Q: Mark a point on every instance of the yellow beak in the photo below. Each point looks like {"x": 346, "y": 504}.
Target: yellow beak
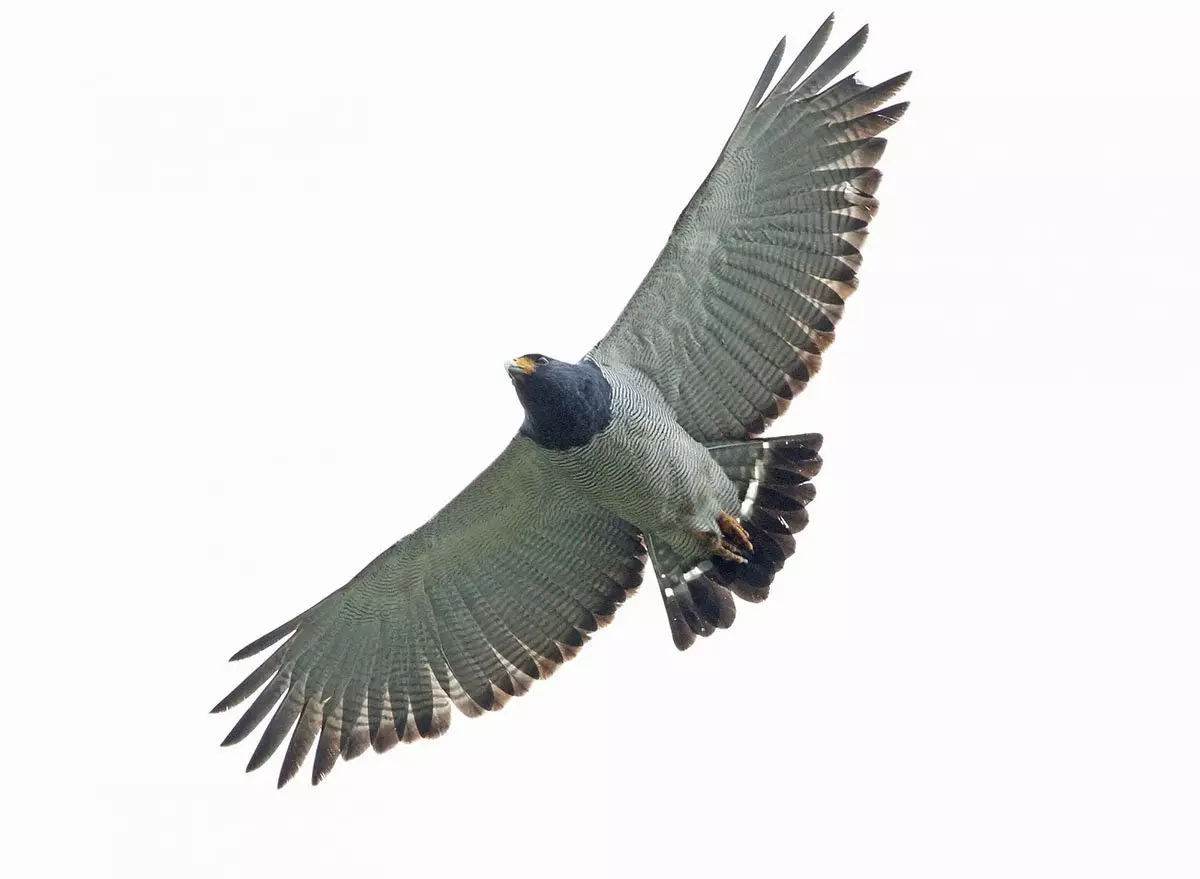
{"x": 520, "y": 366}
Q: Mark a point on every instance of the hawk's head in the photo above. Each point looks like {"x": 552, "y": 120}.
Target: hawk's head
{"x": 566, "y": 404}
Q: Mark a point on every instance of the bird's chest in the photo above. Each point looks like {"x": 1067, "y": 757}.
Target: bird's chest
{"x": 648, "y": 471}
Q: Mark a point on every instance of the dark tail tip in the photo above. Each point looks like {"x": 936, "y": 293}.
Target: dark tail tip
{"x": 777, "y": 499}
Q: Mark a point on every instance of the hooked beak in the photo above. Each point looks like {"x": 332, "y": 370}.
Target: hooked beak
{"x": 519, "y": 366}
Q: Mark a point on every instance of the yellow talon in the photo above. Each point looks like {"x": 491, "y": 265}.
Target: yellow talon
{"x": 730, "y": 541}
{"x": 733, "y": 531}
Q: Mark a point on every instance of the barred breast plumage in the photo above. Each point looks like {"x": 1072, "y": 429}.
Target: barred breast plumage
{"x": 644, "y": 468}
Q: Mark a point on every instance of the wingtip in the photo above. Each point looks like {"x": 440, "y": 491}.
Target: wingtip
{"x": 256, "y": 646}
{"x": 225, "y": 704}
{"x": 260, "y": 757}
{"x": 250, "y": 649}
{"x": 275, "y": 635}
{"x": 859, "y": 38}
{"x": 777, "y": 53}
{"x": 318, "y": 777}
{"x": 896, "y": 111}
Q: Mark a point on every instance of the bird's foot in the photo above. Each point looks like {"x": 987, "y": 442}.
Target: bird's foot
{"x": 731, "y": 541}
{"x": 733, "y": 531}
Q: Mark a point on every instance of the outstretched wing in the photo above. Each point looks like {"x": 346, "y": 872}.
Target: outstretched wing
{"x": 731, "y": 320}
{"x": 496, "y": 590}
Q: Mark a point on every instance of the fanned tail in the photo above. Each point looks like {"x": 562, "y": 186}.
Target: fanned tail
{"x": 772, "y": 478}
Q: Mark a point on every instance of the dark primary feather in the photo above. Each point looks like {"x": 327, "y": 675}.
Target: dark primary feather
{"x": 733, "y": 317}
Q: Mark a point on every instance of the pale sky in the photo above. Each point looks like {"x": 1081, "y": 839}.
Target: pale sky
{"x": 262, "y": 264}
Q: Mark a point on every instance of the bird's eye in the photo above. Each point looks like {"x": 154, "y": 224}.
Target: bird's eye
{"x": 542, "y": 361}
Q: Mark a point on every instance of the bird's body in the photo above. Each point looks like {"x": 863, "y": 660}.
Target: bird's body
{"x": 650, "y": 446}
{"x": 644, "y": 468}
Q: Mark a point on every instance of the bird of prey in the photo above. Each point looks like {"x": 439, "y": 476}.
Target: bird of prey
{"x": 649, "y": 446}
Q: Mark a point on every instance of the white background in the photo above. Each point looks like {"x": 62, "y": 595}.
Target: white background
{"x": 261, "y": 264}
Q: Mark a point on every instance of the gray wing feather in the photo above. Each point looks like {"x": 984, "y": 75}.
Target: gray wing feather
{"x": 732, "y": 318}
{"x": 495, "y": 591}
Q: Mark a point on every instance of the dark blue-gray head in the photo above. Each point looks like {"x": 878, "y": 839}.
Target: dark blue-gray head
{"x": 566, "y": 404}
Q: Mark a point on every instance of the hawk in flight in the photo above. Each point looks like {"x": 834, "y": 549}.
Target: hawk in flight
{"x": 648, "y": 446}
